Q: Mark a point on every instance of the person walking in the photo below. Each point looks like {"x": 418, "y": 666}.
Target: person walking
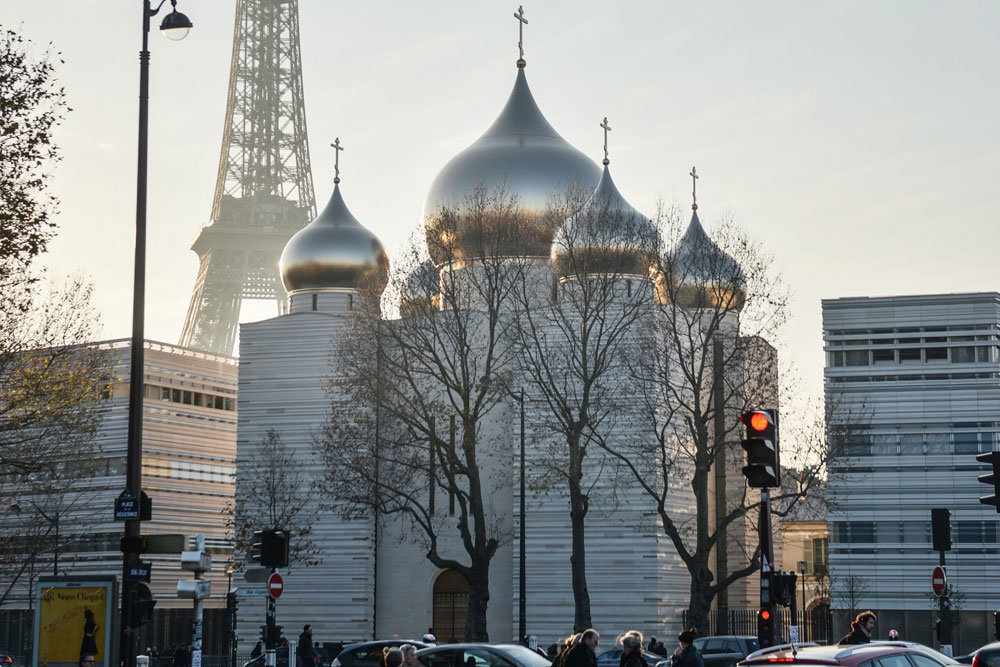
{"x": 584, "y": 653}
{"x": 631, "y": 643}
{"x": 304, "y": 651}
{"x": 861, "y": 629}
{"x": 686, "y": 655}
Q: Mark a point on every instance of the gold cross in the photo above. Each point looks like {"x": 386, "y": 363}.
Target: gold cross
{"x": 694, "y": 188}
{"x": 607, "y": 128}
{"x": 521, "y": 22}
{"x": 336, "y": 162}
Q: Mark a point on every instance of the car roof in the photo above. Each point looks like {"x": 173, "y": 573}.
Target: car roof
{"x": 834, "y": 653}
{"x": 473, "y": 645}
{"x": 385, "y": 642}
{"x": 990, "y": 646}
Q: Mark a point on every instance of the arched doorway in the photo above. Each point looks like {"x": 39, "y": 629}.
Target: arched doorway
{"x": 820, "y": 622}
{"x": 451, "y": 600}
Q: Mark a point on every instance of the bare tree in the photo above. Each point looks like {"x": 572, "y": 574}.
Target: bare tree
{"x": 275, "y": 491}
{"x": 705, "y": 359}
{"x": 412, "y": 397}
{"x": 848, "y": 592}
{"x": 572, "y": 347}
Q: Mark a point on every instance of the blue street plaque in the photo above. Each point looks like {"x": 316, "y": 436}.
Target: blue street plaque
{"x": 139, "y": 572}
{"x": 126, "y": 506}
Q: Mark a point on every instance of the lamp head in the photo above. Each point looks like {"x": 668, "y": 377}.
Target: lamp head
{"x": 175, "y": 25}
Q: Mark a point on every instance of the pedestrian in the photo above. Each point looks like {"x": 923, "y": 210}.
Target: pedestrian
{"x": 304, "y": 649}
{"x": 552, "y": 651}
{"x": 257, "y": 650}
{"x": 686, "y": 655}
{"x": 631, "y": 643}
{"x": 180, "y": 656}
{"x": 393, "y": 656}
{"x": 584, "y": 652}
{"x": 87, "y": 660}
{"x": 652, "y": 644}
{"x": 861, "y": 629}
{"x": 659, "y": 649}
{"x": 409, "y": 652}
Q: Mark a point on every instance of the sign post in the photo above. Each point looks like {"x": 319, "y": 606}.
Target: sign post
{"x": 939, "y": 581}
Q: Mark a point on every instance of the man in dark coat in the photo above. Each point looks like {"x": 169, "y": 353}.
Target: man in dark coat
{"x": 584, "y": 654}
{"x": 305, "y": 647}
{"x": 861, "y": 629}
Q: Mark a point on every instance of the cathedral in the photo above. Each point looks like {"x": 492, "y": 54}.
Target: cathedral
{"x": 374, "y": 578}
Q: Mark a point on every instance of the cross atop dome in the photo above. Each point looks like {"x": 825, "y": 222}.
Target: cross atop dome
{"x": 336, "y": 160}
{"x": 521, "y": 22}
{"x": 694, "y": 189}
{"x": 607, "y": 128}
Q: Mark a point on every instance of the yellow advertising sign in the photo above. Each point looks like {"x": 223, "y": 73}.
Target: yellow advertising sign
{"x": 71, "y": 623}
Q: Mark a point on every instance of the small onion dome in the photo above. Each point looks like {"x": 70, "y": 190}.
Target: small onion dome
{"x": 701, "y": 274}
{"x": 607, "y": 235}
{"x": 520, "y": 153}
{"x": 419, "y": 291}
{"x": 334, "y": 250}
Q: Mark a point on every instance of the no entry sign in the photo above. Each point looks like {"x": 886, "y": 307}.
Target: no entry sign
{"x": 938, "y": 581}
{"x": 275, "y": 585}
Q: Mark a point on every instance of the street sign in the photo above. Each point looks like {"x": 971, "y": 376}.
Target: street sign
{"x": 251, "y": 592}
{"x": 126, "y": 506}
{"x": 139, "y": 572}
{"x": 195, "y": 589}
{"x": 275, "y": 585}
{"x": 256, "y": 575}
{"x": 939, "y": 580}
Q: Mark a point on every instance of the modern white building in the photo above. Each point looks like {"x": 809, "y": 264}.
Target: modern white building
{"x": 375, "y": 578}
{"x": 913, "y": 383}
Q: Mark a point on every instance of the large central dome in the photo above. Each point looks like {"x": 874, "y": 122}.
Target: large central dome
{"x": 522, "y": 153}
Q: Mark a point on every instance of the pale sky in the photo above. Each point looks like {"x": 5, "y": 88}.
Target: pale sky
{"x": 858, "y": 141}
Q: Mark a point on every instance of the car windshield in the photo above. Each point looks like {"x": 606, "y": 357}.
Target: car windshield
{"x": 526, "y": 657}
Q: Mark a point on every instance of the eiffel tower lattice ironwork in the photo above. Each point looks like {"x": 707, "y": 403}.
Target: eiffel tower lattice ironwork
{"x": 264, "y": 191}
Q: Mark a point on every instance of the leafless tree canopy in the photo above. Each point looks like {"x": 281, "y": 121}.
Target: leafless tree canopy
{"x": 276, "y": 492}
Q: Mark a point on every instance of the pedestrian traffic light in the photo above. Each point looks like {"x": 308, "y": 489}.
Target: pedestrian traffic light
{"x": 765, "y": 627}
{"x": 992, "y": 478}
{"x": 255, "y": 547}
{"x": 274, "y": 548}
{"x": 142, "y": 604}
{"x": 941, "y": 528}
{"x": 761, "y": 444}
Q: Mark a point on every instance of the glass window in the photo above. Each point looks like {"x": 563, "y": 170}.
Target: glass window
{"x": 894, "y": 660}
{"x": 175, "y": 395}
{"x": 990, "y": 658}
{"x": 835, "y": 358}
{"x": 888, "y": 531}
{"x": 969, "y": 532}
{"x": 983, "y": 354}
{"x": 990, "y": 532}
{"x": 857, "y": 358}
{"x": 936, "y": 353}
{"x": 909, "y": 354}
{"x": 731, "y": 646}
{"x": 884, "y": 356}
{"x": 712, "y": 646}
{"x": 963, "y": 355}
{"x": 862, "y": 531}
{"x": 478, "y": 657}
{"x": 916, "y": 531}
{"x": 922, "y": 660}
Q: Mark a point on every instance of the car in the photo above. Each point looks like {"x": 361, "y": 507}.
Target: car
{"x": 725, "y": 650}
{"x": 872, "y": 654}
{"x": 985, "y": 656}
{"x": 481, "y": 655}
{"x": 367, "y": 654}
{"x": 6, "y": 660}
{"x": 612, "y": 658}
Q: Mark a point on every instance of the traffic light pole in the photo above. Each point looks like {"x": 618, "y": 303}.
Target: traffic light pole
{"x": 944, "y": 609}
{"x": 271, "y": 643}
{"x": 766, "y": 621}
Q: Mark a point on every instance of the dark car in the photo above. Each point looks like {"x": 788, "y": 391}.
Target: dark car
{"x": 725, "y": 650}
{"x": 612, "y": 658}
{"x": 873, "y": 654}
{"x": 481, "y": 655}
{"x": 985, "y": 656}
{"x": 367, "y": 654}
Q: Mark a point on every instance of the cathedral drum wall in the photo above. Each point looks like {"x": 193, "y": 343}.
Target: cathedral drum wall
{"x": 284, "y": 367}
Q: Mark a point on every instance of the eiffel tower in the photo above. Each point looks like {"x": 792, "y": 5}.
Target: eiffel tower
{"x": 264, "y": 190}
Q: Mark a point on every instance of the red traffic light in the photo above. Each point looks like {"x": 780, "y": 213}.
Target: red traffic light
{"x": 765, "y": 614}
{"x": 758, "y": 420}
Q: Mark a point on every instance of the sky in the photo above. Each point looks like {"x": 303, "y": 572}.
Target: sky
{"x": 857, "y": 141}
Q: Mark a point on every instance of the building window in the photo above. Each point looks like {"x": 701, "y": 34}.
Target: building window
{"x": 936, "y": 354}
{"x": 857, "y": 358}
{"x": 884, "y": 356}
{"x": 820, "y": 553}
{"x": 969, "y": 532}
{"x": 963, "y": 355}
{"x": 909, "y": 355}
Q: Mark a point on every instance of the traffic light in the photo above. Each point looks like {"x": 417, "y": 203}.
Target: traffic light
{"x": 996, "y": 625}
{"x": 938, "y": 631}
{"x": 992, "y": 478}
{"x": 762, "y": 469}
{"x": 270, "y": 635}
{"x": 783, "y": 585}
{"x": 274, "y": 548}
{"x": 142, "y": 604}
{"x": 941, "y": 528}
{"x": 253, "y": 556}
{"x": 765, "y": 627}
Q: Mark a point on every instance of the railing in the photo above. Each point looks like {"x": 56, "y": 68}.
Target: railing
{"x": 744, "y": 622}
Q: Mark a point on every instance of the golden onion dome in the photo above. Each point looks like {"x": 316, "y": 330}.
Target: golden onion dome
{"x": 522, "y": 153}
{"x": 333, "y": 251}
{"x": 700, "y": 274}
{"x": 607, "y": 235}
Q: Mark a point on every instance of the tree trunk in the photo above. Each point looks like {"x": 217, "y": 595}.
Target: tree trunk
{"x": 578, "y": 558}
{"x": 700, "y": 603}
{"x": 479, "y": 598}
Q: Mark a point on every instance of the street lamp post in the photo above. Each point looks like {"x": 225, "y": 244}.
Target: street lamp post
{"x": 802, "y": 568}
{"x": 175, "y": 26}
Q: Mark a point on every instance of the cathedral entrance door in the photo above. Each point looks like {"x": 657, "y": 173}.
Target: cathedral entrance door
{"x": 451, "y": 599}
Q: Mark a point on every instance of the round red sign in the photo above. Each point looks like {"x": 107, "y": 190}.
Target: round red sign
{"x": 938, "y": 580}
{"x": 275, "y": 584}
